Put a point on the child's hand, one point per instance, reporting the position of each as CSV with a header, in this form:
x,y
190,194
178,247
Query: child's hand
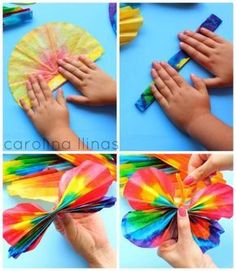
x,y
189,107
96,86
212,52
180,101
50,116
87,235
201,166
184,253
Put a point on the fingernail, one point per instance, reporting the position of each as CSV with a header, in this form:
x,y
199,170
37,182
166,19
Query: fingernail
x,y
182,212
186,32
202,29
181,34
61,216
60,69
189,180
181,43
212,174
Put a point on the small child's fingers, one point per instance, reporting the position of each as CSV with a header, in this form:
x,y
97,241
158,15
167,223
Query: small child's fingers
x,y
37,89
199,84
79,99
88,62
179,80
27,109
165,77
213,82
194,54
199,37
78,64
31,95
162,88
199,46
70,77
72,69
60,97
159,97
45,88
211,35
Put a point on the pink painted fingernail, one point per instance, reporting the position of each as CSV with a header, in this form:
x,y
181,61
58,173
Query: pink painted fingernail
x,y
61,216
212,174
189,180
182,212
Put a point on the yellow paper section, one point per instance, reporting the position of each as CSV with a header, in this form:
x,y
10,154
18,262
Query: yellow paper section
x,y
39,50
130,23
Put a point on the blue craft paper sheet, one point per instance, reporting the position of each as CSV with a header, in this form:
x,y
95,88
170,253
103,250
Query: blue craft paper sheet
x,y
53,250
90,123
136,257
157,40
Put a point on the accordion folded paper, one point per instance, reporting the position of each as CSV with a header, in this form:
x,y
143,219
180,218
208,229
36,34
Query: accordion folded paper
x,y
152,195
81,190
39,50
38,176
168,163
130,22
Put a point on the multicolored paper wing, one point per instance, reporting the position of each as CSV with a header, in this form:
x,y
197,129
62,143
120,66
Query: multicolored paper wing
x,y
39,50
38,176
152,194
82,190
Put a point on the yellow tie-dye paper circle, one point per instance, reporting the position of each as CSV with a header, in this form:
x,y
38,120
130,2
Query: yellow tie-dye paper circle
x,y
39,50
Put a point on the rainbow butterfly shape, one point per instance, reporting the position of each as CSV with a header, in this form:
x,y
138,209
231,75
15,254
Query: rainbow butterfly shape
x,y
151,194
81,190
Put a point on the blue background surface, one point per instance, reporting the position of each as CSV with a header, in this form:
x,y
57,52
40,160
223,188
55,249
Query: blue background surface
x,y
133,256
90,123
54,251
157,40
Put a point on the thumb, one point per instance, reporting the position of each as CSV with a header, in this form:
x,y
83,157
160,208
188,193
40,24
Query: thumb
x,y
79,99
69,226
184,229
198,83
200,173
212,82
60,97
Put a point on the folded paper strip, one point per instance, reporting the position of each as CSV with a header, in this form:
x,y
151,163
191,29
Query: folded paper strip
x,y
177,61
39,51
152,195
37,176
81,190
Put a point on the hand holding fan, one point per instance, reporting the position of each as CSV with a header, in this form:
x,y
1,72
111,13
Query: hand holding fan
x,y
152,194
82,190
39,50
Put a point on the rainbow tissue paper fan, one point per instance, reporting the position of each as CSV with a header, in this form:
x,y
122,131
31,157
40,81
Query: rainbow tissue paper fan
x,y
155,200
130,23
39,50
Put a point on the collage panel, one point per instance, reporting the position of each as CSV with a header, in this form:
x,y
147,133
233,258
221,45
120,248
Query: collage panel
x,y
59,210
176,85
59,47
176,210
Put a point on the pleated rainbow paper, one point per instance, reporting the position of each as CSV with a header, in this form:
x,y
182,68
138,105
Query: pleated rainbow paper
x,y
39,50
177,61
130,22
81,190
37,176
168,163
152,195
